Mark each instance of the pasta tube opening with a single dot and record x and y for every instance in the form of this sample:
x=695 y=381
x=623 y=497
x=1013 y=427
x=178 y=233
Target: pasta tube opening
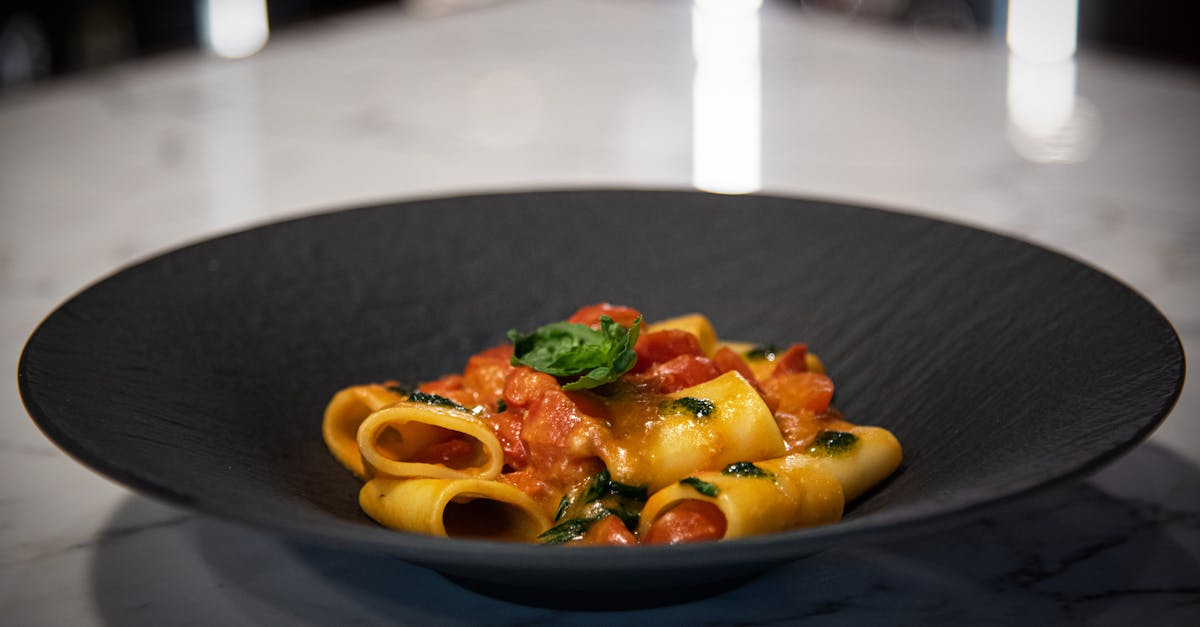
x=416 y=440
x=436 y=446
x=486 y=519
x=456 y=508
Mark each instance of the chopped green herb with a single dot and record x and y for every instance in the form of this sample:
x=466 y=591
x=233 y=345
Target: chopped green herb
x=568 y=350
x=562 y=508
x=832 y=443
x=567 y=531
x=763 y=351
x=746 y=469
x=629 y=517
x=698 y=407
x=501 y=406
x=703 y=487
x=596 y=488
x=601 y=496
x=602 y=485
x=435 y=399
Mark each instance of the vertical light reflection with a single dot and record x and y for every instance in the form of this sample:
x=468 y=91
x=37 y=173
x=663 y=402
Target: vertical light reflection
x=726 y=96
x=1043 y=31
x=230 y=146
x=1046 y=123
x=234 y=28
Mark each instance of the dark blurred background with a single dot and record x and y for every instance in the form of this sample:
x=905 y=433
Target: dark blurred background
x=43 y=39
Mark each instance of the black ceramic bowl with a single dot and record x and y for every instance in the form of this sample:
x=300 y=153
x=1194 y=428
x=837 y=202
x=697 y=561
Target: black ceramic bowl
x=199 y=377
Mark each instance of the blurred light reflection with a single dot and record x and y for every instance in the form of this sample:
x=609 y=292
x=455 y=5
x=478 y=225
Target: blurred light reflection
x=234 y=29
x=1046 y=121
x=726 y=96
x=1043 y=31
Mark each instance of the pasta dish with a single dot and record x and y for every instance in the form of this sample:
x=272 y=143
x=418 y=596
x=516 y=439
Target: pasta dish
x=602 y=429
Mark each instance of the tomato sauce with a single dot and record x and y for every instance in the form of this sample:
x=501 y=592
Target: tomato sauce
x=551 y=438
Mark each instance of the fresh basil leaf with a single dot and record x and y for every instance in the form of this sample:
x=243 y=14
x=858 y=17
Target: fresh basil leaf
x=562 y=508
x=436 y=399
x=624 y=490
x=746 y=469
x=628 y=517
x=564 y=349
x=567 y=531
x=601 y=496
x=701 y=486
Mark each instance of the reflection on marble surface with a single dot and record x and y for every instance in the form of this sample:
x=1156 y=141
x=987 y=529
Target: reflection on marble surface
x=1071 y=555
x=98 y=171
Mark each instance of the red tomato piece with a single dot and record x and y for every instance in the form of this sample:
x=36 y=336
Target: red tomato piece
x=507 y=425
x=800 y=392
x=590 y=315
x=551 y=420
x=486 y=374
x=727 y=360
x=662 y=346
x=609 y=531
x=792 y=360
x=524 y=384
x=681 y=372
x=690 y=521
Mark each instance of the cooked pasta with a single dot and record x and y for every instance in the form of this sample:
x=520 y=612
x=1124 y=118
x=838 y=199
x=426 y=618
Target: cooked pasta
x=596 y=430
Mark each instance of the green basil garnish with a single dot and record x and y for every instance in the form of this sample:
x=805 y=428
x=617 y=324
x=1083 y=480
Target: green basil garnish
x=568 y=350
x=703 y=487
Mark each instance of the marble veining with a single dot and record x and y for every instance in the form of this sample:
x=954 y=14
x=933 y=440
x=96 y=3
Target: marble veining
x=101 y=170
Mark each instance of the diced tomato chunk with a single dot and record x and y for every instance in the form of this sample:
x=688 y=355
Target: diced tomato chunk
x=661 y=346
x=800 y=392
x=609 y=531
x=507 y=425
x=681 y=372
x=728 y=360
x=553 y=417
x=690 y=521
x=486 y=374
x=525 y=384
x=794 y=359
x=590 y=315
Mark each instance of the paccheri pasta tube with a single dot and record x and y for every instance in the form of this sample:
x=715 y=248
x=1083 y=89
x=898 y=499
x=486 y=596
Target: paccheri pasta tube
x=597 y=430
x=456 y=508
x=397 y=441
x=345 y=413
x=756 y=498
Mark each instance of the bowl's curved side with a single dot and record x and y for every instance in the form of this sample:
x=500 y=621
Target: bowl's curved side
x=199 y=376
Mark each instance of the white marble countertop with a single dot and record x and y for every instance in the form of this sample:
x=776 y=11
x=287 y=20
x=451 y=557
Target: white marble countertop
x=1098 y=158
